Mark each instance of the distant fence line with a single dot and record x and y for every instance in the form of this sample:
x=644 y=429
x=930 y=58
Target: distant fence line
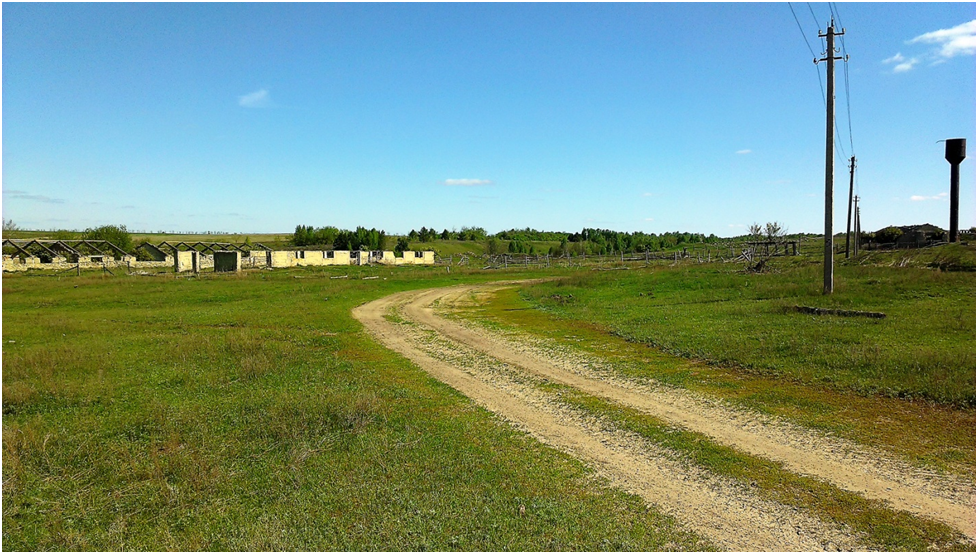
x=699 y=255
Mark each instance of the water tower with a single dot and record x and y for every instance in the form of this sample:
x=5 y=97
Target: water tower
x=954 y=153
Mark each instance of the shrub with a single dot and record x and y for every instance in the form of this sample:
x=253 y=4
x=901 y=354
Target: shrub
x=117 y=235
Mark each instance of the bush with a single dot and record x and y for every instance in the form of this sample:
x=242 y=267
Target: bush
x=888 y=235
x=117 y=235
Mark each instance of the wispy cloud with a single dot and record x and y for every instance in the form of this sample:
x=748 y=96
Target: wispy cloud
x=466 y=182
x=257 y=99
x=901 y=63
x=956 y=41
x=649 y=219
x=939 y=196
x=745 y=151
x=23 y=195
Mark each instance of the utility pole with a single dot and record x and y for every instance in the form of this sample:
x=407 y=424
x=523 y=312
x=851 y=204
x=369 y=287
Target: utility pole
x=858 y=228
x=852 y=172
x=830 y=57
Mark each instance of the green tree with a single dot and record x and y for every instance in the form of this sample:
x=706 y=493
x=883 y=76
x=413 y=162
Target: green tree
x=402 y=245
x=117 y=235
x=492 y=246
x=775 y=231
x=755 y=231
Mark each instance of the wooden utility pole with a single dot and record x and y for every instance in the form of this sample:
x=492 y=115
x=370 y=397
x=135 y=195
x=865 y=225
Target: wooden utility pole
x=830 y=57
x=858 y=227
x=852 y=172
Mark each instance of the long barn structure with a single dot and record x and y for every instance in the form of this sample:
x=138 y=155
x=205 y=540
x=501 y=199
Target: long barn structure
x=22 y=255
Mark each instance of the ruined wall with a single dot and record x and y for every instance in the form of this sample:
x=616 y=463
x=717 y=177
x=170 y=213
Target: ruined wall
x=255 y=259
x=340 y=257
x=411 y=257
x=386 y=258
x=195 y=261
x=13 y=263
x=322 y=257
x=281 y=258
x=184 y=261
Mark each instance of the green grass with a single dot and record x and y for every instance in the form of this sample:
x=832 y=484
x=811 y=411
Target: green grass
x=924 y=348
x=251 y=412
x=933 y=435
x=454 y=248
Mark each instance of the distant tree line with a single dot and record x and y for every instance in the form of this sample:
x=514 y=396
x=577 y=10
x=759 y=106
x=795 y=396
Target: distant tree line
x=431 y=235
x=604 y=241
x=339 y=239
x=516 y=241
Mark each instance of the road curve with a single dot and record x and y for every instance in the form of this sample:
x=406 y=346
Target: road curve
x=692 y=501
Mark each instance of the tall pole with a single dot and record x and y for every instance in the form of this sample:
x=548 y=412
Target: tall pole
x=830 y=57
x=852 y=172
x=858 y=227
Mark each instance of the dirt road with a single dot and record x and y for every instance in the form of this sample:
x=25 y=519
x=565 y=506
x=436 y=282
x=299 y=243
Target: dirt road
x=498 y=373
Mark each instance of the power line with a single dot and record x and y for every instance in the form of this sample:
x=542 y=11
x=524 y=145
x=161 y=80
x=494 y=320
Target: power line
x=802 y=31
x=804 y=37
x=840 y=150
x=845 y=53
x=811 y=11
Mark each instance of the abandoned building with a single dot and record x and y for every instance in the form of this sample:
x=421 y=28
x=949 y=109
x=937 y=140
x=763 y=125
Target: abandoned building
x=22 y=255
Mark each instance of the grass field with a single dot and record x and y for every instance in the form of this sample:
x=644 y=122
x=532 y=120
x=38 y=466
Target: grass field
x=251 y=412
x=924 y=348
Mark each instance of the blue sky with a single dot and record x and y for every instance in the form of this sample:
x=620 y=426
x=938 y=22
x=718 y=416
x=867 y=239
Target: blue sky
x=634 y=117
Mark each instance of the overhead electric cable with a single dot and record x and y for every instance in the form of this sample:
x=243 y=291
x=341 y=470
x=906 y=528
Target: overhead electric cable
x=810 y=49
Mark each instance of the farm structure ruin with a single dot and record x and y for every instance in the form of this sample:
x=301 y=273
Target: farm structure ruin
x=22 y=255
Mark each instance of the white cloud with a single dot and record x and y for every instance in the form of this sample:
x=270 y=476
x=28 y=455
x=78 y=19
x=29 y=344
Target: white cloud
x=745 y=151
x=257 y=99
x=918 y=198
x=956 y=41
x=648 y=194
x=905 y=66
x=466 y=182
x=649 y=219
x=902 y=63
